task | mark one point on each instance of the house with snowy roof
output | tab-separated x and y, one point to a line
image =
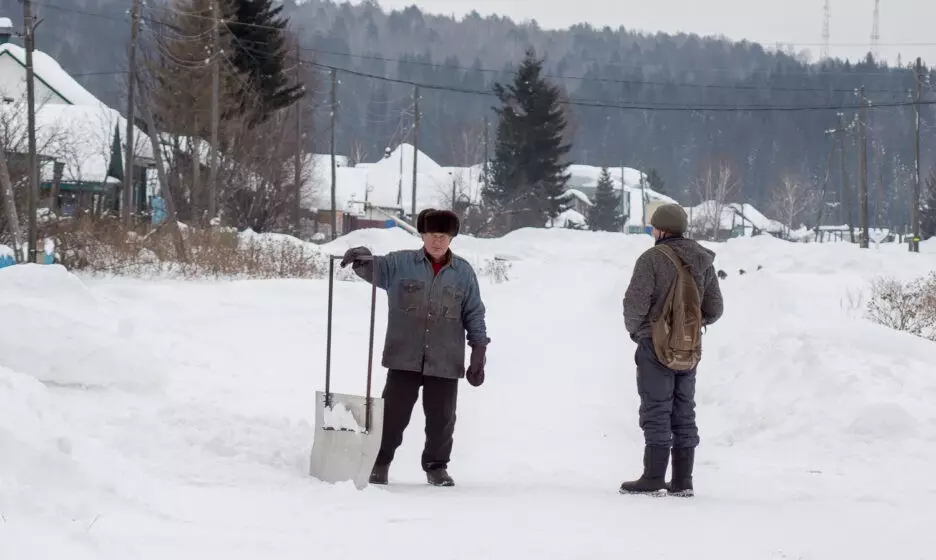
711	220
78	137
637	203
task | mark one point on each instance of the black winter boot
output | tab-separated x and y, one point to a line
683	460
653	479
380	474
439	477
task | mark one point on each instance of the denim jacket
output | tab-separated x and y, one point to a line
429	316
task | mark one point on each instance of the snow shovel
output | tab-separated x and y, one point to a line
347	427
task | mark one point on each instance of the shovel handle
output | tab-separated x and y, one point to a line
370	347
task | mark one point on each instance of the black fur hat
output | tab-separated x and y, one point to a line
431	220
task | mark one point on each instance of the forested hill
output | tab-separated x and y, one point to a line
672	102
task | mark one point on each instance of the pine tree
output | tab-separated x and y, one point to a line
606	214
655	182
527	174
260	54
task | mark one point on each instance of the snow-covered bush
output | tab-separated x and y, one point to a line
496	269
905	306
852	302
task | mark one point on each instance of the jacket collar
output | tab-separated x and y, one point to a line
669	238
420	255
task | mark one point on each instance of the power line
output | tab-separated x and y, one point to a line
655	107
570	102
586	79
409	62
602	104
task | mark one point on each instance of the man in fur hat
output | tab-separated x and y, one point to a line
434	300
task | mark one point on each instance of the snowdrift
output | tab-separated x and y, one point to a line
59	331
146	419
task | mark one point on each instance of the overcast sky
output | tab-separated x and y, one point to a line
906	25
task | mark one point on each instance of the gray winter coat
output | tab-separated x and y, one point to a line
653	275
428	315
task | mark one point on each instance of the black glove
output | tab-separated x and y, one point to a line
475	373
353	254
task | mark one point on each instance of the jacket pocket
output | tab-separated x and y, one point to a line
411	295
452	299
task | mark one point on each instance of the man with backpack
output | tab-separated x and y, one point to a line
673	294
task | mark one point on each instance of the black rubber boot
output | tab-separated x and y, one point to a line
439	477
683	461
653	479
380	474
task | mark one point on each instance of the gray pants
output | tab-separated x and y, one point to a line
667	401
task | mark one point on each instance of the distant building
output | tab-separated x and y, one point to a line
78	136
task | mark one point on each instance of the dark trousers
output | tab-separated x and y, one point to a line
667	401
439	396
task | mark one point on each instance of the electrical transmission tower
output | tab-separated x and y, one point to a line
826	18
876	30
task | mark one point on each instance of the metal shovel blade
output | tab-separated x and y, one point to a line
343	448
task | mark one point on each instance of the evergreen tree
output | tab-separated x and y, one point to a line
606	214
527	174
655	182
260	54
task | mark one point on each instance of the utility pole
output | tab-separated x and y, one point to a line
486	157
297	208
624	211
415	146
643	201
215	112
863	159
825	187
846	187
33	206
915	200
454	193
334	173
128	158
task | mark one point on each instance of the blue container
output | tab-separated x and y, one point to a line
7	260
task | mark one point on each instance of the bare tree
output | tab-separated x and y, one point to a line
52	143
465	143
255	183
179	68
791	200
358	152
715	187
9	202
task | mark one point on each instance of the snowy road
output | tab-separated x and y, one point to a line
174	419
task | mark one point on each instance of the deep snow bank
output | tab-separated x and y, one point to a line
57	330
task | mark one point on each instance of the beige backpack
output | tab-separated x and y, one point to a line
677	333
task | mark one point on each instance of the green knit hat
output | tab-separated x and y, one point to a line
670	218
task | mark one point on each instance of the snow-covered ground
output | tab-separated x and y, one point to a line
154	420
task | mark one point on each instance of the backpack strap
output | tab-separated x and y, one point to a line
672	256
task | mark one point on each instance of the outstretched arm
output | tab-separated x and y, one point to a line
365	268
